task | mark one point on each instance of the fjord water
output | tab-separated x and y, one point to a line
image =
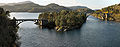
93	33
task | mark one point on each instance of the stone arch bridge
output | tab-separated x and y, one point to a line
19	21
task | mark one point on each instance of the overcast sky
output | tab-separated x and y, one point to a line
93	4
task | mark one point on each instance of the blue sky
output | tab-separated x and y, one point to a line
93	4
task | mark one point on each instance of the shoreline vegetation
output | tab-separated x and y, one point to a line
63	20
110	13
8	31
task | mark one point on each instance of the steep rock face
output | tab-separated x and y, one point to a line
7	31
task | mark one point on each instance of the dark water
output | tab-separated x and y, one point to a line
94	33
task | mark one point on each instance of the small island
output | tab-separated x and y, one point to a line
63	20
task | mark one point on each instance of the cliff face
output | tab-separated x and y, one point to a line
7	31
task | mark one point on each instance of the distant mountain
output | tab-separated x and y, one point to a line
21	6
52	5
77	7
24	2
55	7
12	4
28	6
2	4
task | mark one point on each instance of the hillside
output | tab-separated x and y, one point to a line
81	9
77	7
21	6
29	6
113	13
85	10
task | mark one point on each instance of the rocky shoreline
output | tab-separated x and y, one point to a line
68	28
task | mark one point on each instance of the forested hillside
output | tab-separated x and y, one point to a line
113	13
7	30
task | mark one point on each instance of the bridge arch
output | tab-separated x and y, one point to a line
16	22
19	22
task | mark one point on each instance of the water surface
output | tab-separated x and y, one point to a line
93	33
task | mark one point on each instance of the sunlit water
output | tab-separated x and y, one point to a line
93	33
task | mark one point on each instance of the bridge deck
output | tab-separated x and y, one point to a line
28	19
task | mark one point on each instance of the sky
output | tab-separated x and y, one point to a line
93	4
